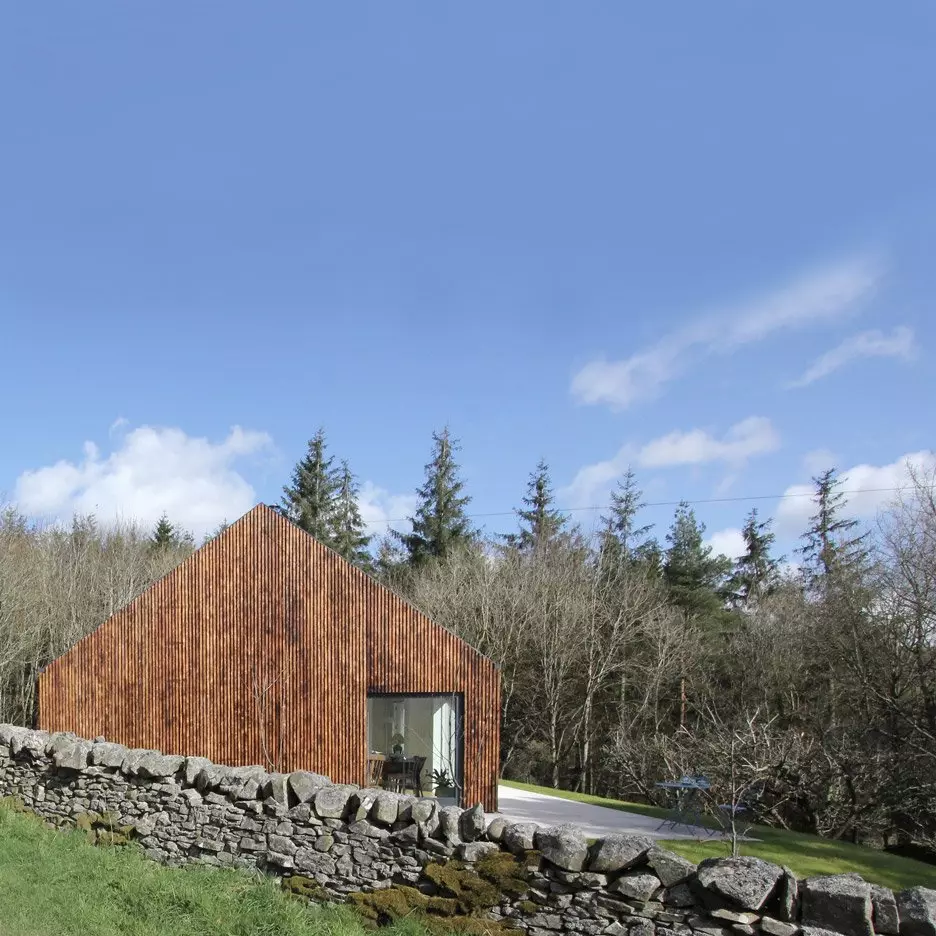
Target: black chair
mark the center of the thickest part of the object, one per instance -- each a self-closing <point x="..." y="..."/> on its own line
<point x="412" y="775"/>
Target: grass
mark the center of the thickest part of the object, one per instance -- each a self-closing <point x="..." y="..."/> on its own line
<point x="806" y="855"/>
<point x="55" y="882"/>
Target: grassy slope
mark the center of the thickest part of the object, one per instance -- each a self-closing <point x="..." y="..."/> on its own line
<point x="804" y="854"/>
<point x="55" y="883"/>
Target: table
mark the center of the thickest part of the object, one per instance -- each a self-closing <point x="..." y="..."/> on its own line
<point x="688" y="806"/>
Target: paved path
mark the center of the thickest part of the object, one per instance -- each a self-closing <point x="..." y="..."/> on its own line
<point x="594" y="821"/>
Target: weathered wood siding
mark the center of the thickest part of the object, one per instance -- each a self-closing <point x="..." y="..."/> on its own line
<point x="260" y="649"/>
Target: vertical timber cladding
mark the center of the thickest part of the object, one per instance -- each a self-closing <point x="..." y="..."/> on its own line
<point x="250" y="652"/>
<point x="407" y="652"/>
<point x="260" y="649"/>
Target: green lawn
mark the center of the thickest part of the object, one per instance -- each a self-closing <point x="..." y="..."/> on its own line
<point x="54" y="883"/>
<point x="805" y="854"/>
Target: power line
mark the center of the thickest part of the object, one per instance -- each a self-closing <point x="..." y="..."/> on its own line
<point x="676" y="503"/>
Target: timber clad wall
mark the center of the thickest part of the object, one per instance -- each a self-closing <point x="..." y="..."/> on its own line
<point x="261" y="649"/>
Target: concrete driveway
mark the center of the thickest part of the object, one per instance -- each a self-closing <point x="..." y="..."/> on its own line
<point x="594" y="821"/>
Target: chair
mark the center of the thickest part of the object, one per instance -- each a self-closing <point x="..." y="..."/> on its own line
<point x="375" y="769"/>
<point x="412" y="775"/>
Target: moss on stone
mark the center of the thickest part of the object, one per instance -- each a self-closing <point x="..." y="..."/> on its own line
<point x="104" y="829"/>
<point x="510" y="874"/>
<point x="439" y="916"/>
<point x="473" y="893"/>
<point x="308" y="888"/>
<point x="528" y="906"/>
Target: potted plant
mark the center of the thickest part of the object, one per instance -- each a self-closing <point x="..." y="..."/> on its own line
<point x="397" y="744"/>
<point x="443" y="783"/>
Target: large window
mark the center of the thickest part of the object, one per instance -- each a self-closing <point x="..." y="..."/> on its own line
<point x="427" y="726"/>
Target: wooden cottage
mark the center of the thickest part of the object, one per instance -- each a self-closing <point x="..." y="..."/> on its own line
<point x="266" y="647"/>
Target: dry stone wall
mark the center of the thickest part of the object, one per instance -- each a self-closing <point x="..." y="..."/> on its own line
<point x="389" y="853"/>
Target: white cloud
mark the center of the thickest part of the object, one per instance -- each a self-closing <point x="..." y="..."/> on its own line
<point x="752" y="436"/>
<point x="874" y="343"/>
<point x="826" y="294"/>
<point x="381" y="510"/>
<point x="728" y="542"/>
<point x="154" y="470"/>
<point x="875" y="483"/>
<point x="819" y="460"/>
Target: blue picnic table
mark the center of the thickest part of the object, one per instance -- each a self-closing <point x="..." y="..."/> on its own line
<point x="687" y="809"/>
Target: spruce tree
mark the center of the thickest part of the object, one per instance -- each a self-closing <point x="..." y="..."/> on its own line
<point x="540" y="522"/>
<point x="620" y="540"/>
<point x="693" y="576"/>
<point x="348" y="538"/>
<point x="168" y="535"/>
<point x="828" y="550"/>
<point x="439" y="524"/>
<point x="756" y="573"/>
<point x="164" y="534"/>
<point x="309" y="501"/>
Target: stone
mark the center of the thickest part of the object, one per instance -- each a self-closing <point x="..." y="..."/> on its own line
<point x="917" y="909"/>
<point x="615" y="929"/>
<point x="276" y="787"/>
<point x="734" y="916"/>
<point x="639" y="885"/>
<point x="565" y="846"/>
<point x="471" y="824"/>
<point x="72" y="756"/>
<point x="837" y="902"/>
<point x="641" y="928"/>
<point x="360" y="804"/>
<point x="816" y="931"/>
<point x="386" y="808"/>
<point x="519" y="836"/>
<point x="777" y="927"/>
<point x="670" y="868"/>
<point x="330" y="802"/>
<point x="449" y="823"/>
<point x="324" y="843"/>
<point x="422" y="810"/>
<point x="472" y="851"/>
<point x="884" y="915"/>
<point x="618" y="852"/>
<point x="282" y="845"/>
<point x="304" y="785"/>
<point x="495" y="829"/>
<point x="744" y="881"/>
<point x="679" y="896"/>
<point x="193" y="767"/>
<point x="785" y="902"/>
<point x="308" y="859"/>
<point x="155" y="766"/>
<point x="745" y="929"/>
<point x="707" y="927"/>
<point x="107" y="754"/>
<point x="30" y="743"/>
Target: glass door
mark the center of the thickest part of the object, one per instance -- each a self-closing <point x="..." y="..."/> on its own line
<point x="423" y="731"/>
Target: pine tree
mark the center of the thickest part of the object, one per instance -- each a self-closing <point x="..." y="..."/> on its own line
<point x="756" y="573"/>
<point x="828" y="550"/>
<point x="309" y="501"/>
<point x="692" y="574"/>
<point x="439" y="524"/>
<point x="348" y="538"/>
<point x="620" y="539"/>
<point x="540" y="522"/>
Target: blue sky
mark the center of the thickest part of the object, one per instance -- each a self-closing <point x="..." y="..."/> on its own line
<point x="697" y="238"/>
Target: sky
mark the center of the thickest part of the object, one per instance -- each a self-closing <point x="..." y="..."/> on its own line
<point x="696" y="239"/>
